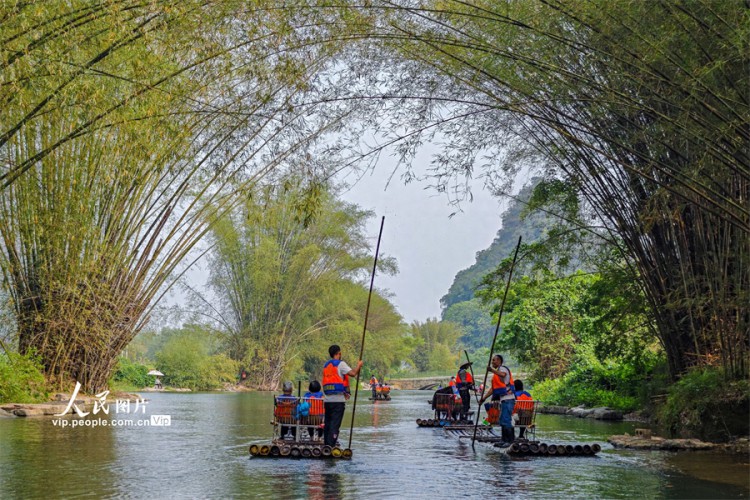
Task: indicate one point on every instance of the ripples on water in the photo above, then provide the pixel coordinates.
(205, 454)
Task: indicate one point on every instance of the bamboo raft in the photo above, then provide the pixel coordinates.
(521, 447)
(302, 439)
(298, 450)
(382, 393)
(485, 433)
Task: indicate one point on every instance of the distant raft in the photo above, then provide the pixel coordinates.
(382, 393)
(283, 450)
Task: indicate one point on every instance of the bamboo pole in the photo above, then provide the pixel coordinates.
(364, 329)
(472, 376)
(497, 329)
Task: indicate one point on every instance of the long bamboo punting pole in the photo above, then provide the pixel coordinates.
(497, 329)
(472, 376)
(364, 329)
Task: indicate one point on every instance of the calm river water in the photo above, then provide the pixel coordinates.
(204, 454)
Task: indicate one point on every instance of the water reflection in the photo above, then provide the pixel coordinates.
(205, 454)
(37, 458)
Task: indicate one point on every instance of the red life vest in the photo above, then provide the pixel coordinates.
(452, 383)
(501, 387)
(332, 381)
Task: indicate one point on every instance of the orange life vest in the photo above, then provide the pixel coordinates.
(315, 399)
(502, 387)
(521, 401)
(332, 381)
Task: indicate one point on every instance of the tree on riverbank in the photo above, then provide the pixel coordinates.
(437, 347)
(283, 279)
(125, 129)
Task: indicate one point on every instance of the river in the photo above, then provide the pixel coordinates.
(204, 454)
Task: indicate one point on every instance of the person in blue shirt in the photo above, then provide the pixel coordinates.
(315, 411)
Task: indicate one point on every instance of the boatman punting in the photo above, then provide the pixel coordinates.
(502, 390)
(464, 384)
(336, 375)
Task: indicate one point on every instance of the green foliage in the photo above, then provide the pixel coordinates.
(386, 342)
(188, 361)
(437, 345)
(552, 322)
(708, 404)
(21, 379)
(132, 374)
(475, 320)
(287, 283)
(640, 109)
(617, 386)
(124, 134)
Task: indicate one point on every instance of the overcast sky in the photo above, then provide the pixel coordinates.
(429, 246)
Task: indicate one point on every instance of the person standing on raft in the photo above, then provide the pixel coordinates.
(464, 384)
(502, 390)
(336, 375)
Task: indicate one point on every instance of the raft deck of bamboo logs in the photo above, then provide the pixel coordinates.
(536, 448)
(298, 450)
(434, 422)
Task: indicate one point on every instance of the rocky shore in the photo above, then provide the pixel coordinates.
(601, 413)
(647, 442)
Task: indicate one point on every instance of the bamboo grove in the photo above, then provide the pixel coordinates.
(129, 127)
(642, 107)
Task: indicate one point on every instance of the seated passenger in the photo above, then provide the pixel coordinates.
(316, 412)
(285, 410)
(521, 404)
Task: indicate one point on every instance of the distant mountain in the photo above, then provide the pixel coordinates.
(467, 280)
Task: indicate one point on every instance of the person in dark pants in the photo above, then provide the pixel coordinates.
(464, 384)
(336, 375)
(502, 390)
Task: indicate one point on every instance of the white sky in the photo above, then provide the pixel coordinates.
(429, 246)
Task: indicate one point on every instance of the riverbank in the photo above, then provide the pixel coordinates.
(648, 442)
